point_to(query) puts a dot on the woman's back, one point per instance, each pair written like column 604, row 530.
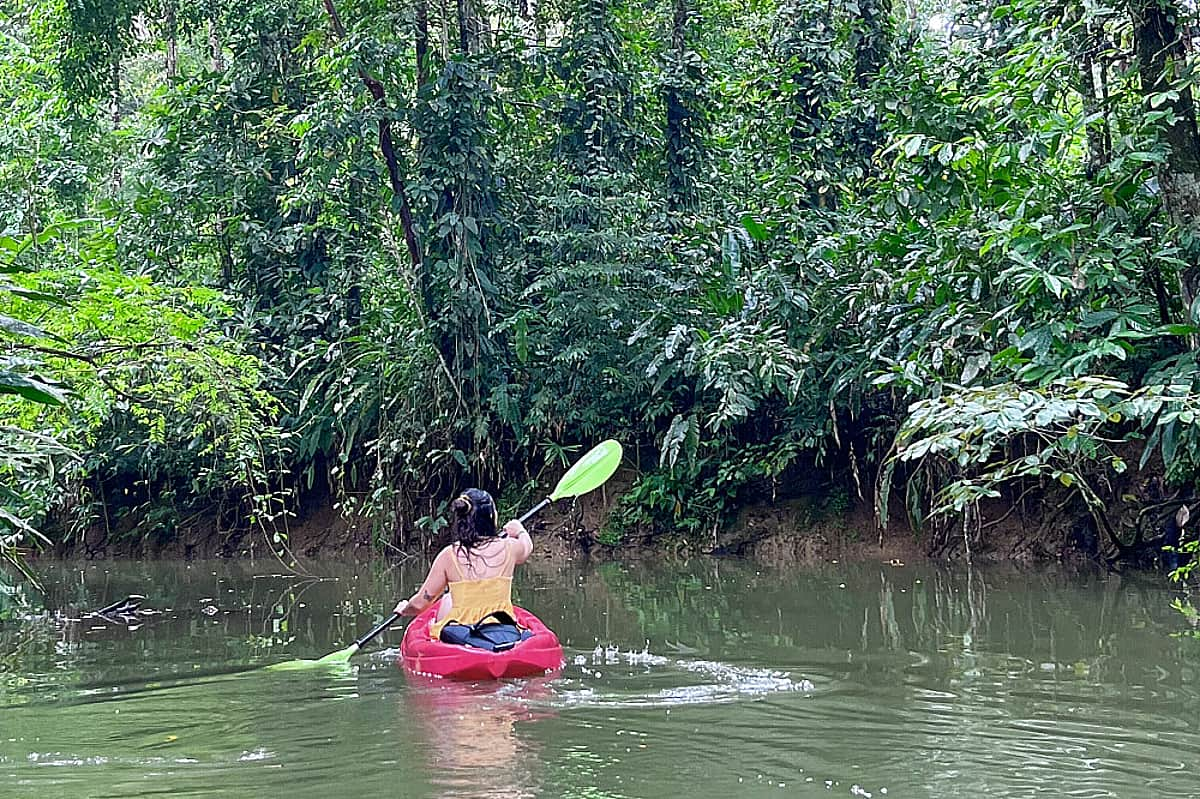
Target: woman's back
column 494, row 558
column 477, row 568
column 480, row 583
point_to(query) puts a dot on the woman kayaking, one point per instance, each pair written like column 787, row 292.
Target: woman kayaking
column 478, row 569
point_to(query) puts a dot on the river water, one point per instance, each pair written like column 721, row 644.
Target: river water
column 708, row 678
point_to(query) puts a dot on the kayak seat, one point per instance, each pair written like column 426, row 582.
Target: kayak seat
column 493, row 636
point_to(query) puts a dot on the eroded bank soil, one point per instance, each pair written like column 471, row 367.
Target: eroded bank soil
column 785, row 531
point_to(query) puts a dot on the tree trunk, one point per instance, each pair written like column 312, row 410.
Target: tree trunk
column 172, row 45
column 807, row 50
column 214, row 48
column 1087, row 43
column 678, row 138
column 226, row 256
column 1161, row 63
column 873, row 40
column 422, row 43
column 872, row 47
column 115, row 71
column 387, row 147
column 540, row 32
column 445, row 27
column 464, row 27
column 594, row 91
column 355, row 269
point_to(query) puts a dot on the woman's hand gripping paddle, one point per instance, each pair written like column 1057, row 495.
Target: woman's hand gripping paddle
column 589, row 473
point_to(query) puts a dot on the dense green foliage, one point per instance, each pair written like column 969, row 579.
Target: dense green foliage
column 262, row 251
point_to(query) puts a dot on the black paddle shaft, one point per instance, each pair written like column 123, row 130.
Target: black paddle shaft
column 532, row 511
column 383, row 625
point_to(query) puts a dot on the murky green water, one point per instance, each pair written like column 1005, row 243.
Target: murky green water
column 708, row 679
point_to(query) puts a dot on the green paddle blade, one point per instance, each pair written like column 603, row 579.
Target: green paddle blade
column 590, row 471
column 338, row 658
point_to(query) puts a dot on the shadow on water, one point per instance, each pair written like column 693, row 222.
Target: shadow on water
column 726, row 677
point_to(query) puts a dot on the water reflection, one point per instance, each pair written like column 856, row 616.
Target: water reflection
column 470, row 735
column 729, row 678
column 881, row 619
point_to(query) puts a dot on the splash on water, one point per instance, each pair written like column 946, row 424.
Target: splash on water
column 612, row 677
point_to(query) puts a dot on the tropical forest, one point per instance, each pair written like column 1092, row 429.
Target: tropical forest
column 933, row 266
column 599, row 399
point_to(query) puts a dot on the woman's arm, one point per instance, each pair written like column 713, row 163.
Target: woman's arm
column 515, row 530
column 430, row 590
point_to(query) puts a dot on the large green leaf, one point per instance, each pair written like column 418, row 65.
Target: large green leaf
column 30, row 388
column 19, row 524
column 29, row 294
column 757, row 230
column 11, row 249
column 19, row 327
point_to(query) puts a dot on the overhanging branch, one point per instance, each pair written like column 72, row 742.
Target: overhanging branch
column 387, row 147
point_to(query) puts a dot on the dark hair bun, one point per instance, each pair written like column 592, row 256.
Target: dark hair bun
column 475, row 518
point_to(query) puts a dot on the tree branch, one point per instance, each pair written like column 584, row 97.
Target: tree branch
column 387, row 147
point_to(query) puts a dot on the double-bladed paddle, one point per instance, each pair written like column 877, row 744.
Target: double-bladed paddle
column 589, row 473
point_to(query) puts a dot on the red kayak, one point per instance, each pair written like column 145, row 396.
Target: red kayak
column 534, row 656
